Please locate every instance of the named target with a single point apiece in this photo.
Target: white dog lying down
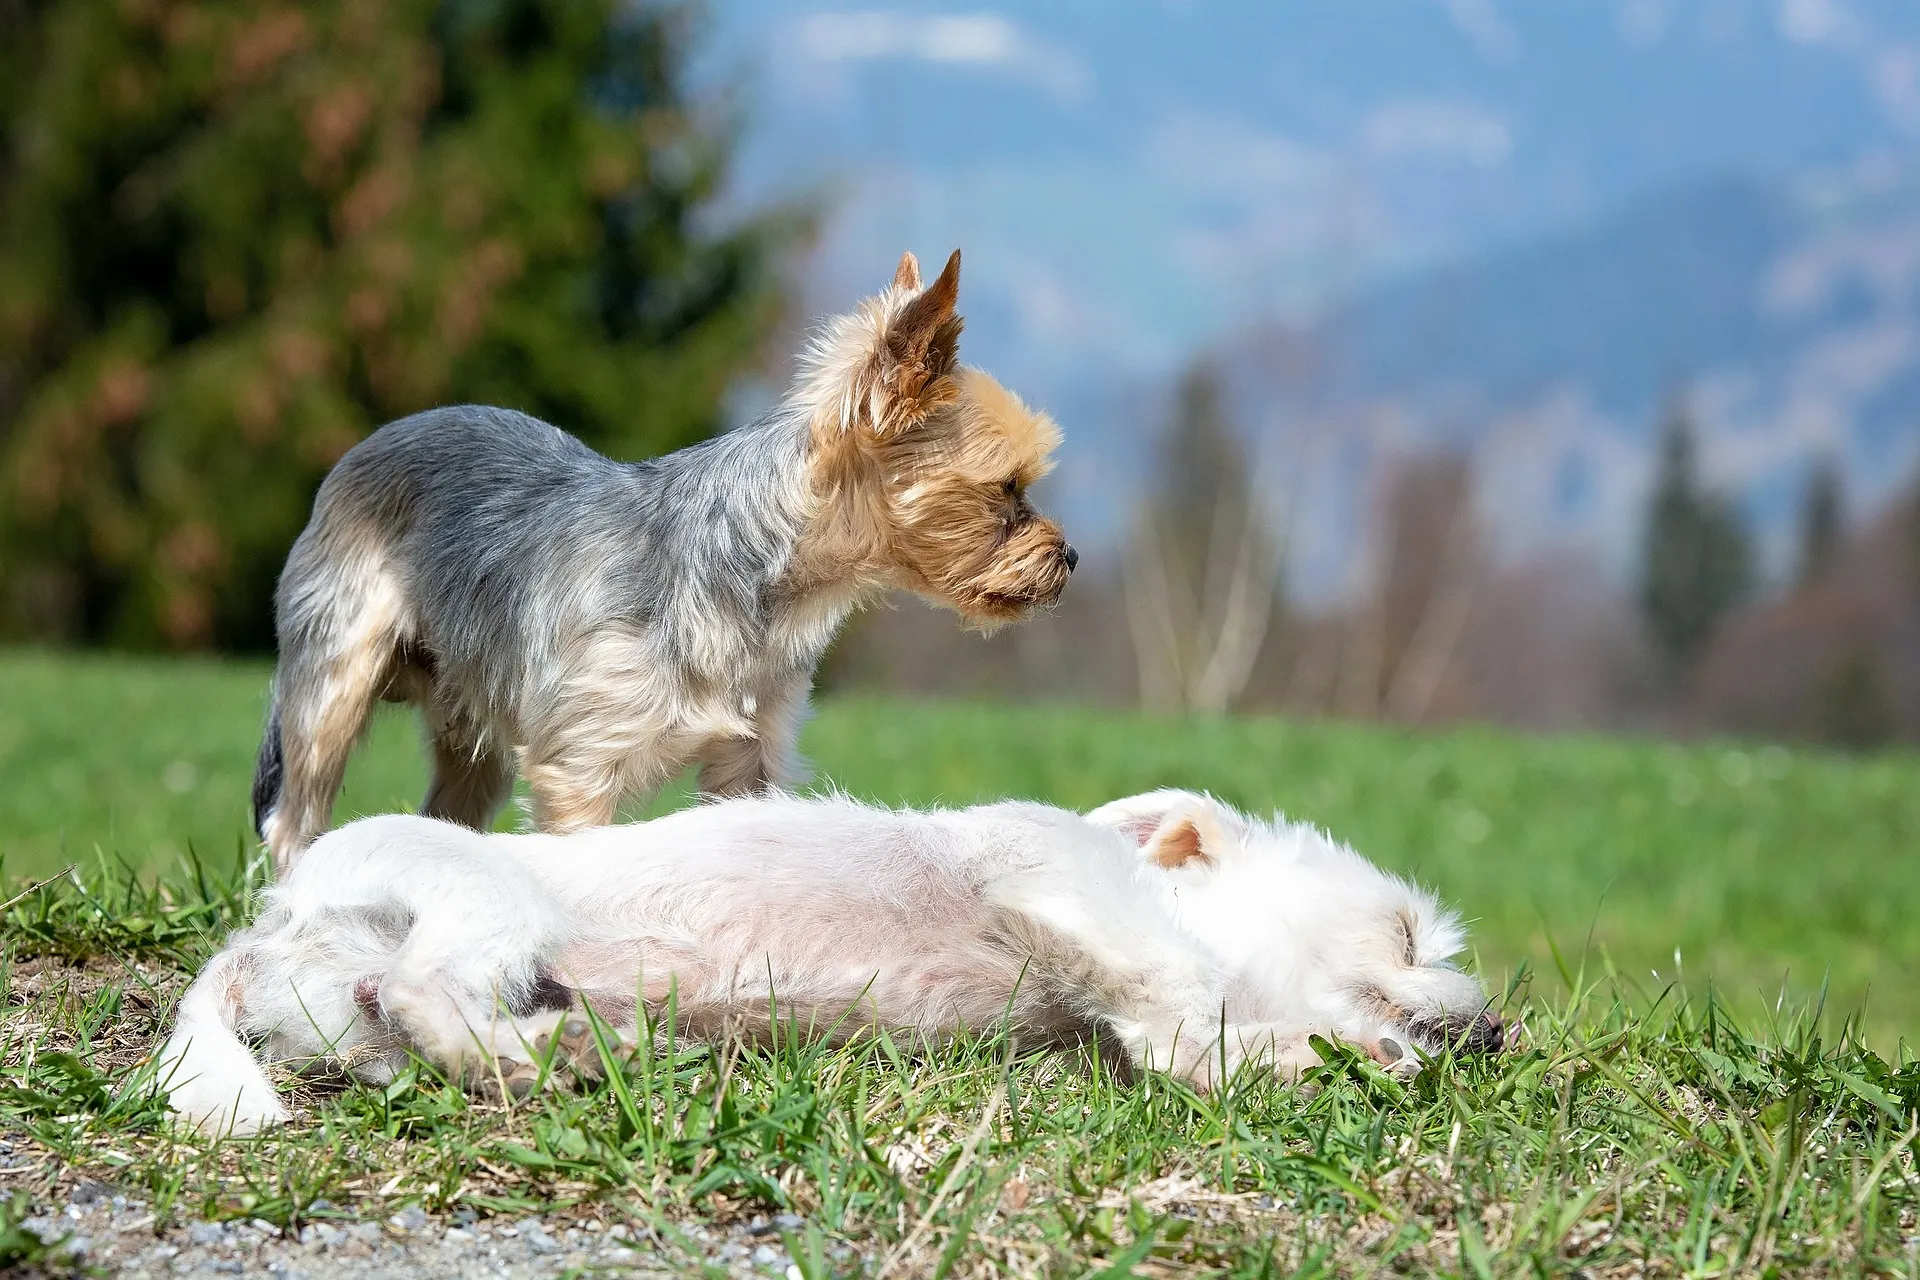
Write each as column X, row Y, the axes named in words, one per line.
column 1159, row 922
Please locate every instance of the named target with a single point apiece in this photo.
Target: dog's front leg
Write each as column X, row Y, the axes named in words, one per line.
column 746, row 766
column 1095, row 935
column 578, row 782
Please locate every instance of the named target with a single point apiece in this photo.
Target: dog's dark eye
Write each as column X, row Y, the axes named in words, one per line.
column 1011, row 488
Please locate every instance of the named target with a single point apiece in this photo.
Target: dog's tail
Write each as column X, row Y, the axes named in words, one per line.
column 270, row 770
column 205, row 1069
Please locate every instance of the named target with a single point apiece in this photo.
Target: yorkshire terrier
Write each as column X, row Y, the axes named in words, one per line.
column 1193, row 938
column 602, row 625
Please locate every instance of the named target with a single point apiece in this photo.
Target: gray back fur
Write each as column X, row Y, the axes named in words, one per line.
column 510, row 537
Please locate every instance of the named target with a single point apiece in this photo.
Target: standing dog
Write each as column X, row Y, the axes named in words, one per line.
column 612, row 623
column 1195, row 937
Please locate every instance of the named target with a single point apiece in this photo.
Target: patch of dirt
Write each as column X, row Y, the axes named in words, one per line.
column 100, row 1229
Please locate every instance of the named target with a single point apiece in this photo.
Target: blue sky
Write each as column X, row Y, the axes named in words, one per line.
column 1144, row 175
column 1137, row 179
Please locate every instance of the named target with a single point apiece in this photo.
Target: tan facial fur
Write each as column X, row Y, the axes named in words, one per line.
column 923, row 465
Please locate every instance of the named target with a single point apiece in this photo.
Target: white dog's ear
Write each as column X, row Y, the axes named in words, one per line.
column 1172, row 828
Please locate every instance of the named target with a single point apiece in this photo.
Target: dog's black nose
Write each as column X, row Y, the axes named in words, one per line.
column 1073, row 557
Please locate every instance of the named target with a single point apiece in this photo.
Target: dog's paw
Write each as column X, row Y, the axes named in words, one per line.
column 1399, row 1061
column 508, row 1079
column 214, row 1114
column 573, row 1049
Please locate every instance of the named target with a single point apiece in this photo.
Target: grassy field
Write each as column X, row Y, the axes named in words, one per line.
column 1754, row 869
column 1641, row 906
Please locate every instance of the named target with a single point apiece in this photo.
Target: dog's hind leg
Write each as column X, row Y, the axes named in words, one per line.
column 470, row 779
column 205, row 1069
column 340, row 630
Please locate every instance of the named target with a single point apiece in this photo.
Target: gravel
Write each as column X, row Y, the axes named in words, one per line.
column 116, row 1233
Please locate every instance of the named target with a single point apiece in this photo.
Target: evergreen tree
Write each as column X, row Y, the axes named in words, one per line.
column 1697, row 558
column 1853, row 707
column 1822, row 514
column 1202, row 563
column 235, row 237
column 1203, row 485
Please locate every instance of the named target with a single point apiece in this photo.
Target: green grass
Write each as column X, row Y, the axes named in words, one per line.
column 1647, row 1126
column 1744, row 867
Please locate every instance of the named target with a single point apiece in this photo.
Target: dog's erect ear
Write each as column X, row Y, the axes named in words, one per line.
column 1172, row 828
column 907, row 274
column 918, row 352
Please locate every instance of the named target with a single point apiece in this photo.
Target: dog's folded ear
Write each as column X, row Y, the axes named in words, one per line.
column 1172, row 828
column 918, row 351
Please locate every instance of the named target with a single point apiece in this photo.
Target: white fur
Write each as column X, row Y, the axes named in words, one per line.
column 846, row 915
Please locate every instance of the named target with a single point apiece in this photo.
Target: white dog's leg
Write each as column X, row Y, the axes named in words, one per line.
column 1098, row 931
column 209, row 1074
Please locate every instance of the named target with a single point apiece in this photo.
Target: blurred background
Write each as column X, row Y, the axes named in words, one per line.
column 1420, row 360
column 1435, row 374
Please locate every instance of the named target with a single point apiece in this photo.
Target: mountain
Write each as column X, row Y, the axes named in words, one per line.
column 1786, row 310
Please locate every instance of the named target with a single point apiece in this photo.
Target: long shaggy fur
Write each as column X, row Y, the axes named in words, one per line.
column 1195, row 937
column 599, row 626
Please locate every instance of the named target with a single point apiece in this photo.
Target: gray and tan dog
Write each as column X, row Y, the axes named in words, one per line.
column 603, row 625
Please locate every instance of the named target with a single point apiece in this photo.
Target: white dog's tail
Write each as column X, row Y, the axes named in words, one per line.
column 206, row 1070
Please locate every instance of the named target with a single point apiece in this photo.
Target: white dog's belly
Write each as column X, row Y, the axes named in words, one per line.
column 937, row 981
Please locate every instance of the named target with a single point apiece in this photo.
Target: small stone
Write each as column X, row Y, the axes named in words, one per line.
column 367, row 1232
column 321, row 1205
column 458, row 1235
column 207, row 1232
column 328, row 1234
column 788, row 1221
column 465, row 1216
column 229, row 1266
column 537, row 1238
column 90, row 1190
column 410, row 1218
column 766, row 1255
column 264, row 1227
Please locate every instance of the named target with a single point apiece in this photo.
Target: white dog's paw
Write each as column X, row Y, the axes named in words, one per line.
column 1398, row 1060
column 218, row 1112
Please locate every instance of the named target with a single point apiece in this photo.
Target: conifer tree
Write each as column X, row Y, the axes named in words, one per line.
column 1822, row 513
column 1697, row 558
column 1202, row 564
column 237, row 236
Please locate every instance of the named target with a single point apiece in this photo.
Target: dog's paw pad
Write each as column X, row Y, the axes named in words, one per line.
column 522, row 1080
column 1393, row 1057
column 581, row 1049
column 508, row 1080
